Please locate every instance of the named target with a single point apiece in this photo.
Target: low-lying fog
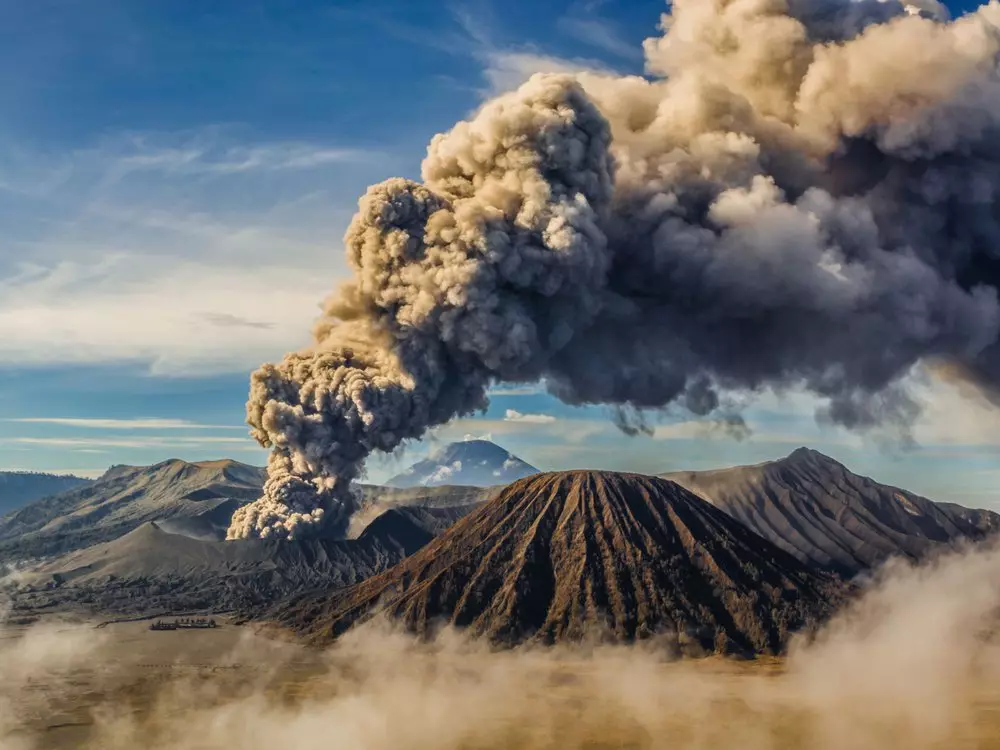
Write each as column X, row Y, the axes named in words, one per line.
column 912, row 664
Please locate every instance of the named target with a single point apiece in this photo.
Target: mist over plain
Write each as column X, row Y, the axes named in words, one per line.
column 912, row 664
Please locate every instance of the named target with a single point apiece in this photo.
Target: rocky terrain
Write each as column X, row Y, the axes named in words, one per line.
column 550, row 557
column 818, row 510
column 18, row 488
column 477, row 463
column 151, row 540
column 122, row 500
column 150, row 571
column 190, row 499
column 560, row 556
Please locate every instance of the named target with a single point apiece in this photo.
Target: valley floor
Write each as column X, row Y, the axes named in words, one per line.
column 69, row 685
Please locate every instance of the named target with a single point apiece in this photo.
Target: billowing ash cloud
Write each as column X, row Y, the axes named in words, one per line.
column 803, row 195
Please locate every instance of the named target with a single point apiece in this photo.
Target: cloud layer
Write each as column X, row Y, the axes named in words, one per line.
column 161, row 249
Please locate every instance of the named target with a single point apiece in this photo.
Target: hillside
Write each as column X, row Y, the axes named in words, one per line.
column 815, row 508
column 123, row 499
column 477, row 463
column 150, row 571
column 18, row 488
column 196, row 500
column 559, row 556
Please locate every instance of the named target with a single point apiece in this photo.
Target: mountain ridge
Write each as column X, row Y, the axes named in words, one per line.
column 189, row 498
column 122, row 499
column 817, row 509
column 19, row 488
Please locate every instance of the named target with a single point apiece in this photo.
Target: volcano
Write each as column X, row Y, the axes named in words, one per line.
column 473, row 463
column 571, row 555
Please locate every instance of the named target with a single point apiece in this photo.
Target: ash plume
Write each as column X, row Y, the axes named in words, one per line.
column 792, row 199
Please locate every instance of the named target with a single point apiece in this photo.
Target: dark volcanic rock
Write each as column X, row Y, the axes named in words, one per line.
column 560, row 556
column 150, row 540
column 190, row 499
column 816, row 509
column 150, row 571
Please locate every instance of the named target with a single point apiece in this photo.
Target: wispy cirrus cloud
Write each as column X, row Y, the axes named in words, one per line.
column 584, row 23
column 506, row 69
column 204, row 156
column 191, row 253
column 228, row 320
column 534, row 389
column 507, row 66
column 139, row 423
column 229, row 443
column 63, row 317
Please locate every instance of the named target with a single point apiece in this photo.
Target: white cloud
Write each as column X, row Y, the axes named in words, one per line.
column 687, row 430
column 229, row 443
column 568, row 430
column 488, row 437
column 956, row 416
column 150, row 423
column 952, row 415
column 443, row 473
column 507, row 69
column 583, row 23
column 158, row 312
column 192, row 253
column 205, row 156
column 515, row 416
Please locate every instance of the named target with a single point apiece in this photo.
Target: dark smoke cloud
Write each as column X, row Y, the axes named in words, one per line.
column 794, row 200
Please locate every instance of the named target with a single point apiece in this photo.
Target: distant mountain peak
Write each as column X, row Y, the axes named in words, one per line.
column 803, row 452
column 19, row 488
column 805, row 455
column 478, row 463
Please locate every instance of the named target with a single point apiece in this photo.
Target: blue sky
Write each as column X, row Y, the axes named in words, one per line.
column 175, row 178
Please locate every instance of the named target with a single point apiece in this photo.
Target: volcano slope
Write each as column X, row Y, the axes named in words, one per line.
column 818, row 510
column 572, row 555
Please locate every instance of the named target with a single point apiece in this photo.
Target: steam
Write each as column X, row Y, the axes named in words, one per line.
column 913, row 664
column 795, row 199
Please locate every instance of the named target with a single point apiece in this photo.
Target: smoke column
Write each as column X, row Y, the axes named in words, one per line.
column 803, row 193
